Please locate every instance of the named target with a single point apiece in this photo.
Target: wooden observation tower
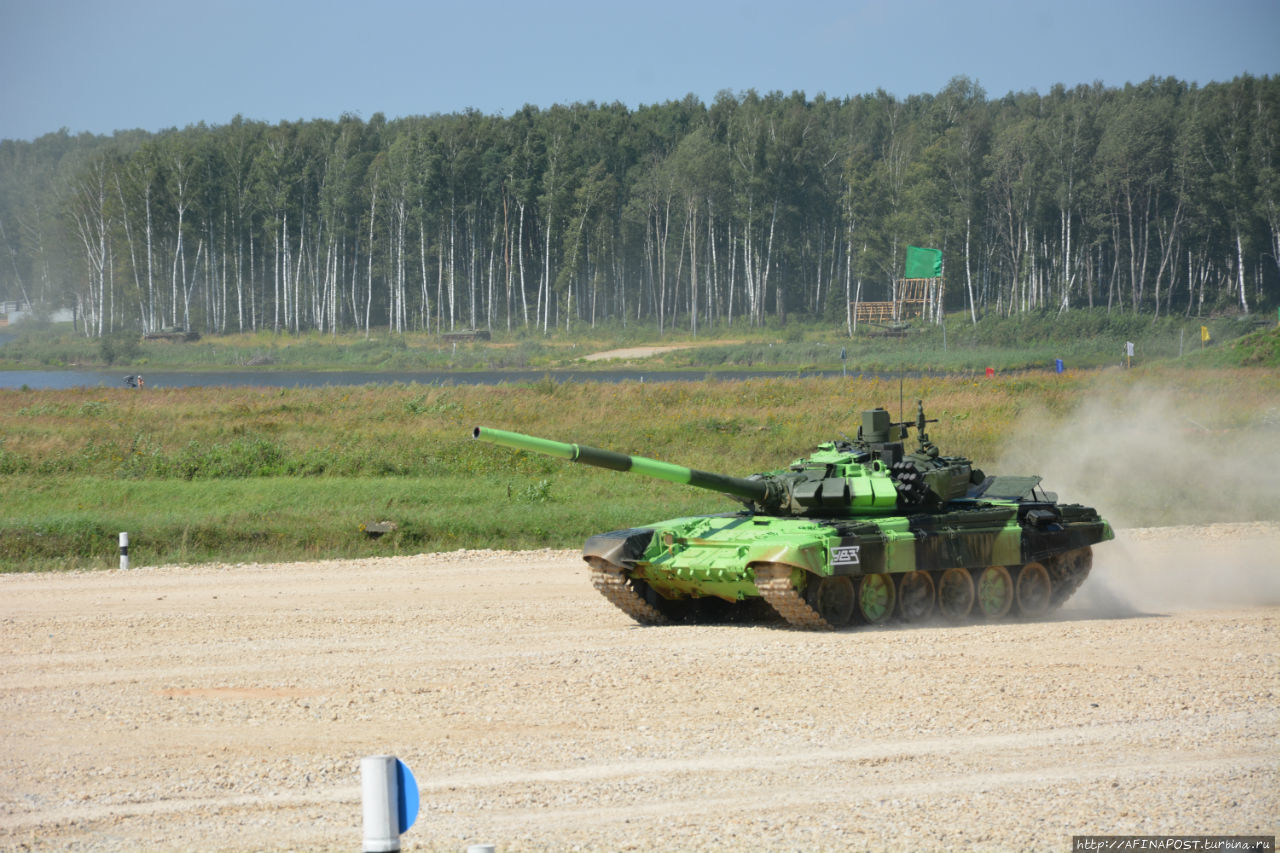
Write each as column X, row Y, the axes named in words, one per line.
column 917, row 295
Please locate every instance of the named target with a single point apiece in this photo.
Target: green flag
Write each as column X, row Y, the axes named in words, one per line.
column 923, row 263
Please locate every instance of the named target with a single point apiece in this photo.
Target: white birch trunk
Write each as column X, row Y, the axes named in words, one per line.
column 440, row 283
column 275, row 270
column 524, row 297
column 768, row 264
column 239, row 280
column 425, row 308
column 133, row 256
column 546, row 275
column 733, row 275
column 368, row 296
column 848, row 279
column 693, row 269
column 968, row 273
column 151, row 285
column 1244, row 301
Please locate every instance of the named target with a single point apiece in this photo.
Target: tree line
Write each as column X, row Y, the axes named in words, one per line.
column 1155, row 198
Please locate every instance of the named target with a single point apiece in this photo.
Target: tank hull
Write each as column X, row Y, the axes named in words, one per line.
column 679, row 566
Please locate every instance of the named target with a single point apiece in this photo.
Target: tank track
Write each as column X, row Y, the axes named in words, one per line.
column 611, row 581
column 773, row 580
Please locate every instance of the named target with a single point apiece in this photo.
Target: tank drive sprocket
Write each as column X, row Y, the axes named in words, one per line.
column 1067, row 572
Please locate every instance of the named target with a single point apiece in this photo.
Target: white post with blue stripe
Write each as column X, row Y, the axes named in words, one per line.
column 389, row 794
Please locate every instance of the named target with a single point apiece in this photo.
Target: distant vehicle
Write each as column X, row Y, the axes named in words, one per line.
column 466, row 335
column 173, row 334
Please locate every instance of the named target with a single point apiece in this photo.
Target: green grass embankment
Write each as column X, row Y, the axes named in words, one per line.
column 1081, row 338
column 281, row 474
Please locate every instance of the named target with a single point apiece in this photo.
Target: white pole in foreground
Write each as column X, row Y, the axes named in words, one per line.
column 381, row 810
column 124, row 550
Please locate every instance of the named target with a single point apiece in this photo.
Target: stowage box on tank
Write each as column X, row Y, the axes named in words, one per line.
column 860, row 530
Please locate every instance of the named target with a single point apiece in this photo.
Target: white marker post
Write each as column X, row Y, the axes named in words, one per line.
column 124, row 550
column 390, row 800
column 378, row 792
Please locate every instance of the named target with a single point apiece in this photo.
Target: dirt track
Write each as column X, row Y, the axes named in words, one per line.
column 634, row 352
column 227, row 707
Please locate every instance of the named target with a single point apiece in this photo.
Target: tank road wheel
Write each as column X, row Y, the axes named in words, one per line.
column 876, row 598
column 832, row 597
column 915, row 596
column 1032, row 590
column 632, row 597
column 955, row 594
column 995, row 592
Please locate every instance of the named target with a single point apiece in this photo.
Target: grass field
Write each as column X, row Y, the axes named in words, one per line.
column 269, row 474
column 1080, row 338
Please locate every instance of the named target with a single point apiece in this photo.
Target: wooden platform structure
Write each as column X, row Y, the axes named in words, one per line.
column 912, row 298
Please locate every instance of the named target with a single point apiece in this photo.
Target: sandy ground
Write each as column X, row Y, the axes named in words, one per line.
column 227, row 707
column 634, row 352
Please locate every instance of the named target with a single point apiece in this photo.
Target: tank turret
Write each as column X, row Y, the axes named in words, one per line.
column 871, row 475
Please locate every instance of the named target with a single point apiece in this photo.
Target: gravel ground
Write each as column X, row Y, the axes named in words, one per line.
column 226, row 707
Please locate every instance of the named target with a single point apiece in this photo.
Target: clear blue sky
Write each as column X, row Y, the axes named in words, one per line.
column 103, row 65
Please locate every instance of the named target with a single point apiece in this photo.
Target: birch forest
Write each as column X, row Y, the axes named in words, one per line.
column 1156, row 198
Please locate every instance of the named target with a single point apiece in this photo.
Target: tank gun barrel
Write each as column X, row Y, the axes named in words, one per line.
column 749, row 490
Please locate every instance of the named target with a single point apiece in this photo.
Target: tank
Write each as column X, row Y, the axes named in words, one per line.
column 861, row 531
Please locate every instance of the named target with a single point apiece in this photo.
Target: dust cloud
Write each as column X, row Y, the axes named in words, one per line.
column 1195, row 505
column 1159, row 569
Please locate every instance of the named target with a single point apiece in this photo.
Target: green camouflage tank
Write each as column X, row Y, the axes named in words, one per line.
column 861, row 530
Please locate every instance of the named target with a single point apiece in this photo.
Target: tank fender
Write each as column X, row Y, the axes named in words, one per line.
column 810, row 556
column 620, row 547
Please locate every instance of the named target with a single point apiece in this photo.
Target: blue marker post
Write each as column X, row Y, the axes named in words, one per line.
column 389, row 795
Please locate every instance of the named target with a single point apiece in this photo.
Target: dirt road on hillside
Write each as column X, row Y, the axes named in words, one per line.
column 227, row 708
column 634, row 352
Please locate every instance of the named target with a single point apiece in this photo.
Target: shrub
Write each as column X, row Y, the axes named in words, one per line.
column 120, row 346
